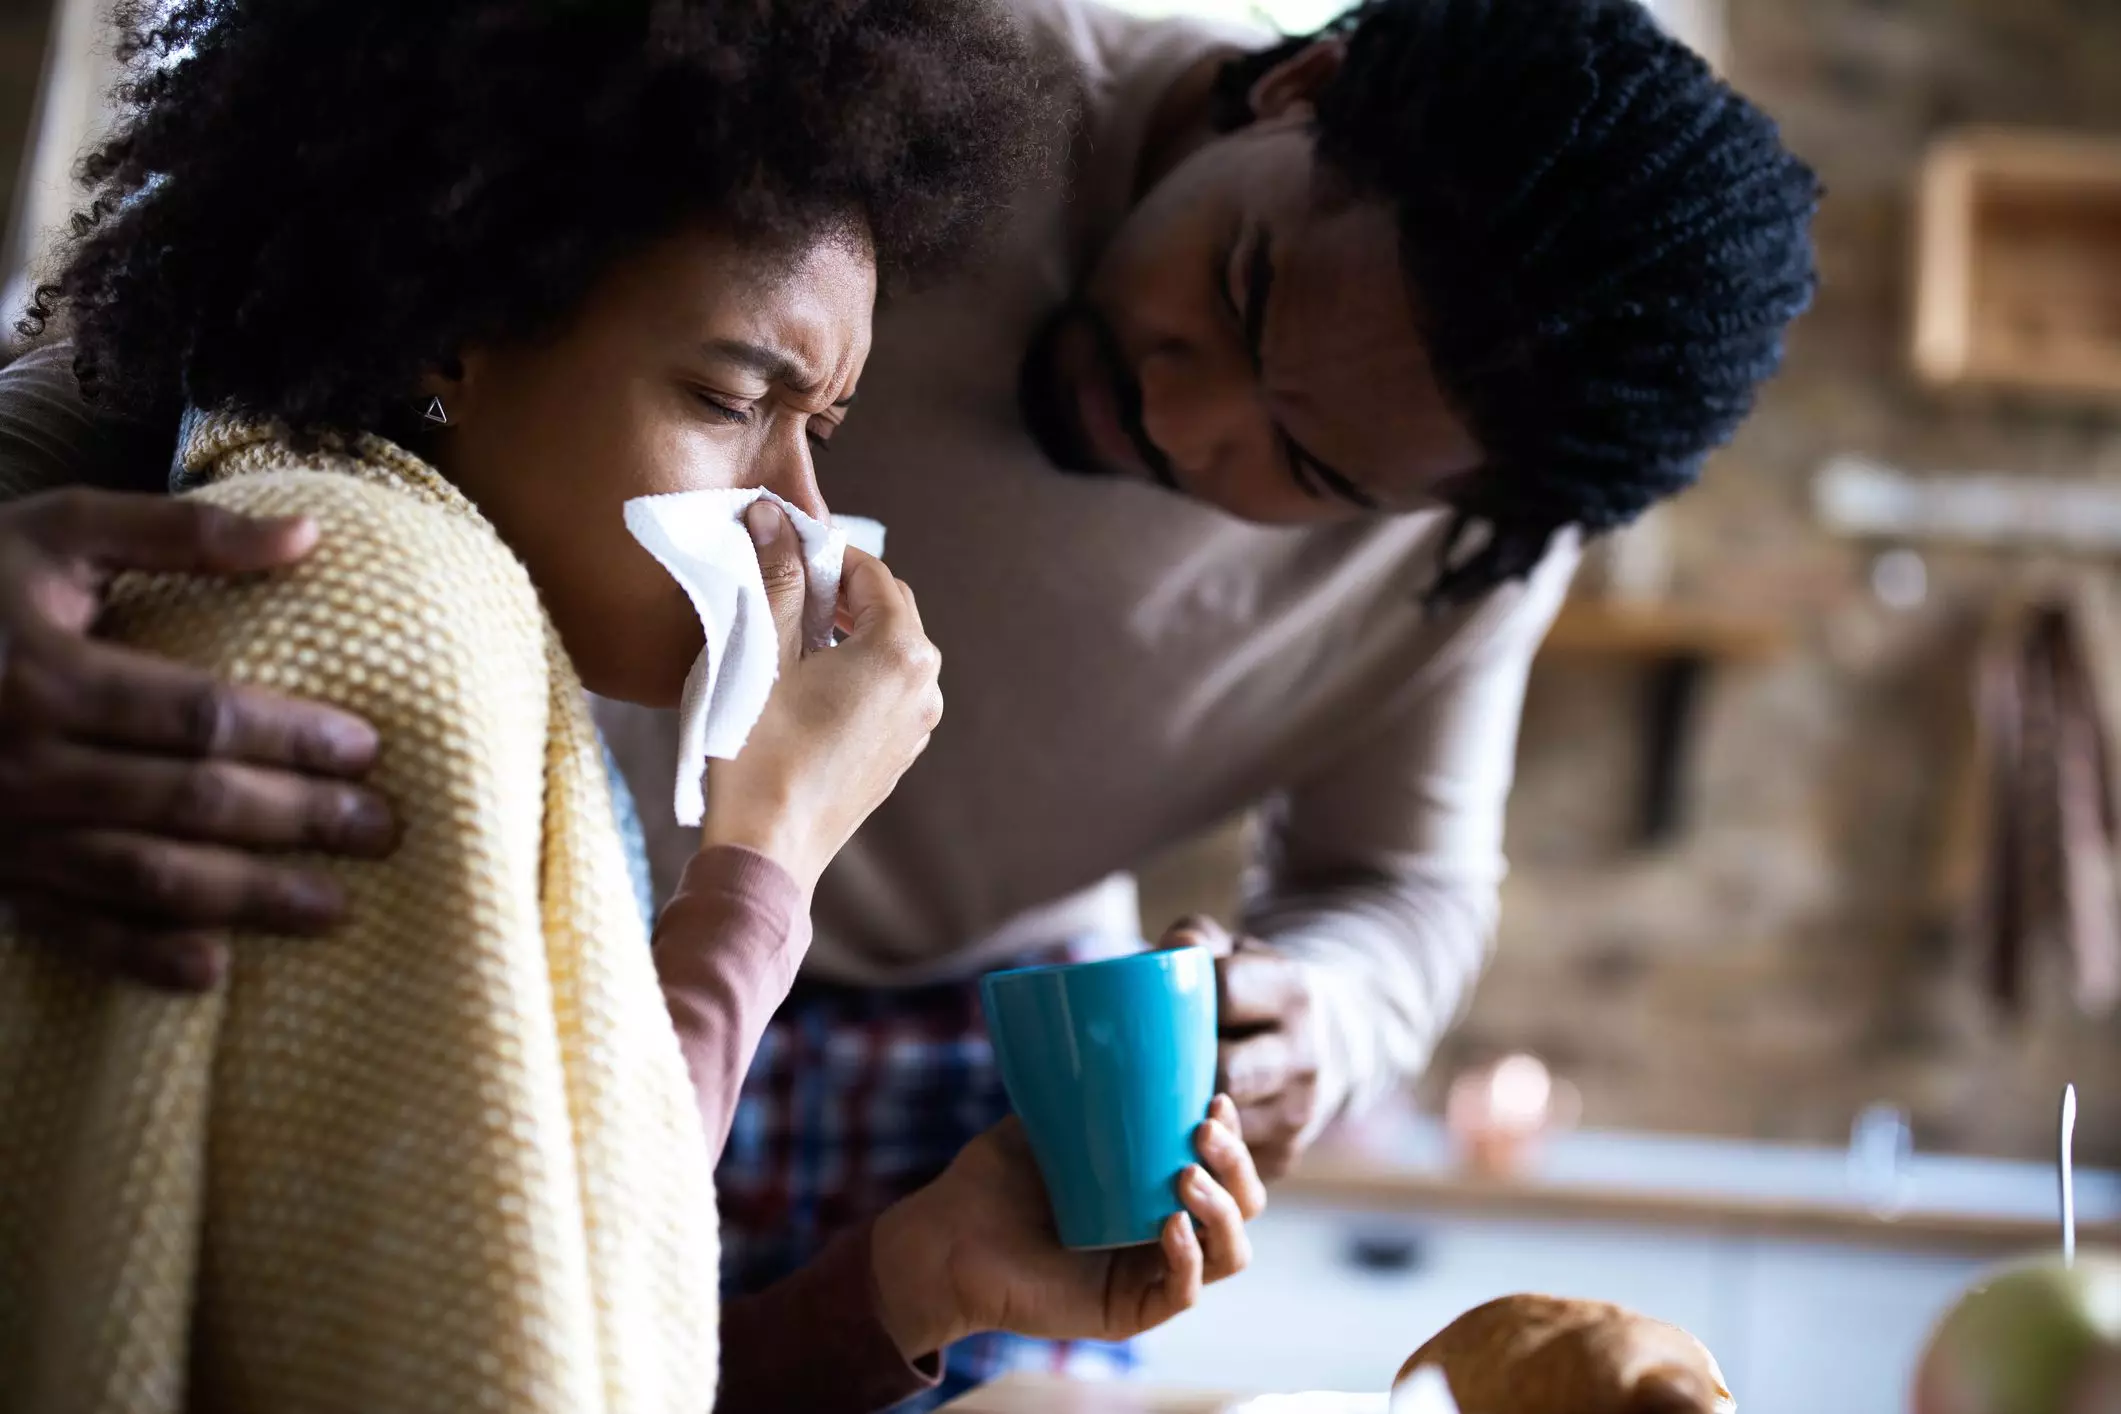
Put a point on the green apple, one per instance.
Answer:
(2024, 1339)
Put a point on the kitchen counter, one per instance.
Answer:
(1776, 1256)
(1807, 1192)
(1045, 1394)
(1039, 1394)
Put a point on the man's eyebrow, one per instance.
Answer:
(1310, 473)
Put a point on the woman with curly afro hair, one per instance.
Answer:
(447, 283)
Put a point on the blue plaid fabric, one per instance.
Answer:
(856, 1098)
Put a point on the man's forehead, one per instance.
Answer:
(1345, 359)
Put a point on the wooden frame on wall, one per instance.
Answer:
(2018, 265)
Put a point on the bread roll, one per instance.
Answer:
(1546, 1355)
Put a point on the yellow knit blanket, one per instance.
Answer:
(446, 1159)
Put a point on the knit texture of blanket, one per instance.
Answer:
(444, 1159)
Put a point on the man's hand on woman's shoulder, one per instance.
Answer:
(142, 802)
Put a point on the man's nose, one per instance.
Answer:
(1200, 412)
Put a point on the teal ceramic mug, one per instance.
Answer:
(1111, 1067)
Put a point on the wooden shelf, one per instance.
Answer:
(1676, 646)
(1591, 629)
(2018, 265)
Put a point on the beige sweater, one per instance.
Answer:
(450, 1161)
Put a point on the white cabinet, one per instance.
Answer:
(1799, 1328)
(1836, 1327)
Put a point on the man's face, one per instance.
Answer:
(1251, 344)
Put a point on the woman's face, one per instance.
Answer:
(700, 364)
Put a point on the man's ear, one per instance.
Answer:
(1291, 88)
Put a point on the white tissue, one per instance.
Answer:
(700, 538)
(1426, 1391)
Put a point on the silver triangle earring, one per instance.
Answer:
(436, 413)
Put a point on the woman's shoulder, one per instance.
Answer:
(395, 538)
(410, 609)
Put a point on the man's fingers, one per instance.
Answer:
(169, 886)
(52, 783)
(98, 692)
(1257, 1069)
(1275, 1158)
(176, 961)
(1258, 988)
(781, 567)
(1197, 930)
(136, 532)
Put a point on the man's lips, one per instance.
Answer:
(1098, 407)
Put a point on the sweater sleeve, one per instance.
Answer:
(814, 1341)
(1383, 869)
(727, 948)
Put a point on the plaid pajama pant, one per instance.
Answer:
(857, 1097)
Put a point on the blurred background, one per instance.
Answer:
(1751, 890)
(1812, 909)
(1813, 900)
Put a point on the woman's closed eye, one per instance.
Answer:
(741, 413)
(738, 411)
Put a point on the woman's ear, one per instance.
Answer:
(444, 393)
(1291, 88)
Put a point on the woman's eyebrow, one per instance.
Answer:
(770, 364)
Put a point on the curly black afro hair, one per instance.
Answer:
(311, 203)
(1605, 244)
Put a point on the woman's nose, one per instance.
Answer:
(791, 473)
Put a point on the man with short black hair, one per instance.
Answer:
(1346, 339)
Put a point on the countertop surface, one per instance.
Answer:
(1936, 1200)
(1039, 1394)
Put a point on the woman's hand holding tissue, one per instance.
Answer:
(843, 723)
